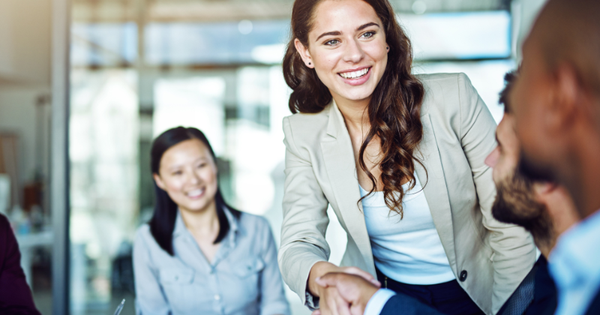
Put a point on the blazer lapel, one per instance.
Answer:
(436, 192)
(341, 169)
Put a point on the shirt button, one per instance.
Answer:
(217, 297)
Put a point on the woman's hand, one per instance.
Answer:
(331, 302)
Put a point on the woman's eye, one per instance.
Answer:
(332, 42)
(201, 165)
(177, 173)
(368, 34)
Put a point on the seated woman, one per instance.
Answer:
(197, 255)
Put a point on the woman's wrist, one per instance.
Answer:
(319, 269)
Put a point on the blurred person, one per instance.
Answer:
(399, 158)
(198, 255)
(556, 105)
(543, 208)
(15, 294)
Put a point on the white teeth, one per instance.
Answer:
(195, 193)
(354, 74)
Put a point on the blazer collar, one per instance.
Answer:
(341, 169)
(433, 180)
(339, 158)
(336, 124)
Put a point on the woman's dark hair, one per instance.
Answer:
(162, 223)
(395, 106)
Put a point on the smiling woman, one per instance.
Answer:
(197, 255)
(399, 158)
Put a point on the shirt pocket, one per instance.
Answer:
(178, 286)
(248, 274)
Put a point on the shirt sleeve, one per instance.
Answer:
(150, 299)
(273, 300)
(377, 301)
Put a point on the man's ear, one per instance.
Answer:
(158, 181)
(304, 53)
(565, 97)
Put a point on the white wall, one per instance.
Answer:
(524, 14)
(25, 41)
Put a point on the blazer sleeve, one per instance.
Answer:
(305, 219)
(513, 248)
(272, 296)
(15, 295)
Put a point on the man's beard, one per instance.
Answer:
(533, 171)
(515, 204)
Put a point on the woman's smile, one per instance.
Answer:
(196, 193)
(356, 77)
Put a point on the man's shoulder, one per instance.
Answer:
(7, 237)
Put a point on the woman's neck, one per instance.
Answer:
(203, 222)
(355, 113)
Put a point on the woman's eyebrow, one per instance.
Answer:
(335, 33)
(328, 33)
(362, 27)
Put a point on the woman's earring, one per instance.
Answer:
(388, 47)
(309, 63)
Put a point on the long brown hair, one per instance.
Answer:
(395, 106)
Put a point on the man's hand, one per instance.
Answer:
(330, 300)
(354, 290)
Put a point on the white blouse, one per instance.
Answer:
(407, 250)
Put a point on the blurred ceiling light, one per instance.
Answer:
(245, 27)
(419, 7)
(268, 54)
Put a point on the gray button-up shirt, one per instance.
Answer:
(244, 277)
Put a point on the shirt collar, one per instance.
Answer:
(575, 259)
(231, 236)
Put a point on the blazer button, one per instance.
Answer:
(463, 276)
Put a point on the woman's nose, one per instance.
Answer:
(353, 52)
(194, 178)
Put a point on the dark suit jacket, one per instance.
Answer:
(15, 295)
(594, 308)
(545, 296)
(405, 305)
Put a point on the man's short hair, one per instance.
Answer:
(509, 79)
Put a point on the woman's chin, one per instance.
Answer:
(194, 207)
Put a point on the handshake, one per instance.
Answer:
(346, 292)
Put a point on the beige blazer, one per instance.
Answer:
(458, 135)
